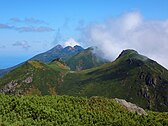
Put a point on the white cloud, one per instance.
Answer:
(28, 20)
(34, 29)
(71, 42)
(130, 30)
(24, 44)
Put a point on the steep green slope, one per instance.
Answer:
(71, 111)
(131, 76)
(85, 60)
(33, 78)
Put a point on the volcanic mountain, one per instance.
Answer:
(131, 76)
(65, 54)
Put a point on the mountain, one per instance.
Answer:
(3, 72)
(34, 77)
(72, 111)
(85, 60)
(7, 70)
(75, 57)
(48, 56)
(58, 52)
(131, 76)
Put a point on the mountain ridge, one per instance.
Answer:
(139, 81)
(55, 49)
(59, 52)
(129, 77)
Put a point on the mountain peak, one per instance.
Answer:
(69, 48)
(75, 48)
(132, 54)
(127, 52)
(58, 47)
(79, 48)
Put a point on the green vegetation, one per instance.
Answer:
(74, 111)
(131, 76)
(34, 78)
(85, 60)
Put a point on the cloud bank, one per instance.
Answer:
(130, 30)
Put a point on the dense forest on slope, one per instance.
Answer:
(68, 110)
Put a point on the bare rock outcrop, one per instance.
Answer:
(10, 87)
(131, 107)
(14, 84)
(28, 80)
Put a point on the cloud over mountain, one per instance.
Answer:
(130, 30)
(71, 42)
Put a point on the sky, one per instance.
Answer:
(29, 27)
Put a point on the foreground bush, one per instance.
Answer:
(70, 111)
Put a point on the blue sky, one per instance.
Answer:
(28, 27)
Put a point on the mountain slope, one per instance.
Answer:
(7, 70)
(4, 71)
(85, 60)
(131, 76)
(33, 78)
